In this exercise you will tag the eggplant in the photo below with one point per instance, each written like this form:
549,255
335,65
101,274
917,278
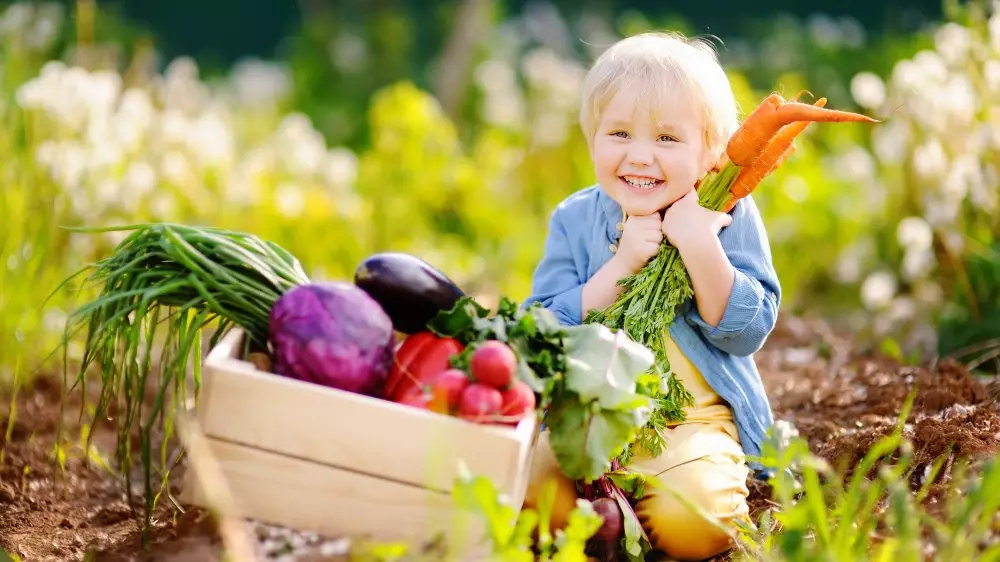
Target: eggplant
410,290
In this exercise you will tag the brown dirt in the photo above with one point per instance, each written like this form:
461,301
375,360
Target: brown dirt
840,399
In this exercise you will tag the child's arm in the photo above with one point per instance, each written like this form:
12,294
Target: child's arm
557,285
640,240
736,287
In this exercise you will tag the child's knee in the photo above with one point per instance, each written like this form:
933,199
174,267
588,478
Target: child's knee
544,469
678,529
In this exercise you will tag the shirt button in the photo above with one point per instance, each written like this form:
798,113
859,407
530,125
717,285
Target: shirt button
613,248
620,226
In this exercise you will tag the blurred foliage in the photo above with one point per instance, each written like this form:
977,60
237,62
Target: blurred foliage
350,145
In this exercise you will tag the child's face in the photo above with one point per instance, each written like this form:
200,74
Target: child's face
647,163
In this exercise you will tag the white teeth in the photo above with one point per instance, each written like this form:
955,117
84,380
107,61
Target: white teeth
642,183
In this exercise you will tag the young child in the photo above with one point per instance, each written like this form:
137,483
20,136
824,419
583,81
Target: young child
657,112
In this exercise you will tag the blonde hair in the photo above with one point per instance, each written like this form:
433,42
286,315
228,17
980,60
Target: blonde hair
658,65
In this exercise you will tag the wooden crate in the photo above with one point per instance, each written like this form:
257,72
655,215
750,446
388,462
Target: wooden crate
338,463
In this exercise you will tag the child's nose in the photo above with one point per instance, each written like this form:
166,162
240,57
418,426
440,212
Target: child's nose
640,154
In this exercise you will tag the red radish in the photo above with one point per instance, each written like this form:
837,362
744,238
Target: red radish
493,363
518,400
447,388
479,402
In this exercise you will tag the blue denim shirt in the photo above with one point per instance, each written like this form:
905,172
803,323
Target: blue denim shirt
582,230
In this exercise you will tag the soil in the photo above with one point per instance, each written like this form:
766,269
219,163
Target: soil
839,398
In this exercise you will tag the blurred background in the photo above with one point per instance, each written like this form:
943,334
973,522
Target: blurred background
447,128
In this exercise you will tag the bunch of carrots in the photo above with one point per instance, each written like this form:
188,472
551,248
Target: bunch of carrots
649,300
767,137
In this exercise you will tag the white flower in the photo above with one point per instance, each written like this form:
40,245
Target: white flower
140,177
175,167
907,77
929,159
211,141
878,289
289,200
540,65
504,111
341,167
917,262
100,91
890,141
493,74
991,74
914,233
868,89
931,65
953,41
260,83
134,117
856,164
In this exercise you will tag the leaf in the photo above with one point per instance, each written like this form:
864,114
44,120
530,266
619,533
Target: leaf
461,322
478,494
572,540
636,541
584,438
603,365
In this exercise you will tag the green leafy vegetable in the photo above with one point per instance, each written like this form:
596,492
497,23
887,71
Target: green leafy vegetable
604,365
594,409
533,333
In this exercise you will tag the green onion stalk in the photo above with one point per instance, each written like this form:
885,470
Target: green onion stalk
645,308
166,283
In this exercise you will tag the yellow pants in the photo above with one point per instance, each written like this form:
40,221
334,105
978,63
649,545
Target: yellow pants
702,461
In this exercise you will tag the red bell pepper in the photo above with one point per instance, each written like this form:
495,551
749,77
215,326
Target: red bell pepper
422,357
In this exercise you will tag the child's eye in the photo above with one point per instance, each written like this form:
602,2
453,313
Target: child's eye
620,134
668,138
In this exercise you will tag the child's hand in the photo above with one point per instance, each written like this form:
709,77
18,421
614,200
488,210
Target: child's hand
686,223
640,241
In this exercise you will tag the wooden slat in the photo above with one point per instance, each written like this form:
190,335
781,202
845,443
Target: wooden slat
306,495
363,434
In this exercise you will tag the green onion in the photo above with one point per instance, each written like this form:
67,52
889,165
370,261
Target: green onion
183,278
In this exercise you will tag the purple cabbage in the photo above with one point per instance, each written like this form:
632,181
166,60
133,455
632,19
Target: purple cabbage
332,334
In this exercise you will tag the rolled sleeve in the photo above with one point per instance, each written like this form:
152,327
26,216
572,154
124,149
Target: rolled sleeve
555,284
752,309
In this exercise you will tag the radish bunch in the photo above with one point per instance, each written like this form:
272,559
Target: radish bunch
494,392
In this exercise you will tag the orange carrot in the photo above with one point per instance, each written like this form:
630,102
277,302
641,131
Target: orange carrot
775,112
778,149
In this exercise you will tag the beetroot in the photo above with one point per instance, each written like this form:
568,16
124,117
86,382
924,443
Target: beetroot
614,524
332,334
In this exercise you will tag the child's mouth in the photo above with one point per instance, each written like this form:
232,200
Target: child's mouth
641,184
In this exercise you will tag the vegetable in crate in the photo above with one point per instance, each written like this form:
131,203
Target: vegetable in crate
420,358
160,288
332,334
409,289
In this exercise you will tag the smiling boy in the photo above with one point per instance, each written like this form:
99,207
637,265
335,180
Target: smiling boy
657,112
